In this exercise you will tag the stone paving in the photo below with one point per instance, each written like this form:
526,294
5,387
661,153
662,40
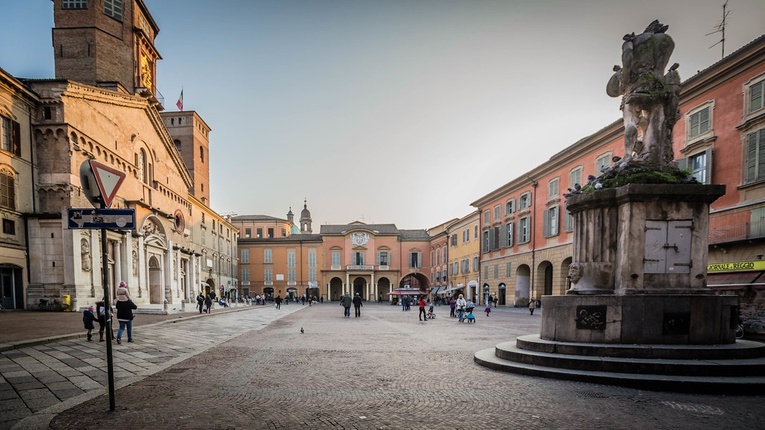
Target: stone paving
41,379
384,370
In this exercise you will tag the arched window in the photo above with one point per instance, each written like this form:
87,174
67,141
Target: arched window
141,162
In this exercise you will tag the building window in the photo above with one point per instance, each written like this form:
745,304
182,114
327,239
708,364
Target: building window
552,188
245,256
260,233
415,259
525,200
496,271
113,8
466,235
382,258
464,265
755,157
358,258
510,207
271,233
74,4
267,256
496,212
575,177
524,230
699,167
602,162
245,276
509,234
568,222
551,222
10,136
508,269
268,276
7,191
475,231
699,122
438,257
486,217
291,275
756,96
202,154
247,232
284,232
9,226
485,244
475,264
454,239
142,167
291,258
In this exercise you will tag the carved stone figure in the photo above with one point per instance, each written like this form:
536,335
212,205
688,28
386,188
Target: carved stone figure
85,254
135,262
649,102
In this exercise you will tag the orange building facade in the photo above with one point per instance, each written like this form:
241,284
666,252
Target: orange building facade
526,243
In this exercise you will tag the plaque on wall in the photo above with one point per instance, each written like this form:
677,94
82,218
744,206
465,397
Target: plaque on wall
676,323
591,317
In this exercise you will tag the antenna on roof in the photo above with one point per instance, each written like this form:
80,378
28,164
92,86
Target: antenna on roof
720,28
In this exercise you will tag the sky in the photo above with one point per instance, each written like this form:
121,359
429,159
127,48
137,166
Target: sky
390,111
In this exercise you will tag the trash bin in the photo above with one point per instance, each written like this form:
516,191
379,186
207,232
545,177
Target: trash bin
67,301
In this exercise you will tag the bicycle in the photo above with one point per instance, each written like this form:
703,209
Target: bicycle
49,305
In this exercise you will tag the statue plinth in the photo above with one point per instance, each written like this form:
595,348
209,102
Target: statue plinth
639,269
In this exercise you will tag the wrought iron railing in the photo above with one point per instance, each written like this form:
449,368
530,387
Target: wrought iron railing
737,232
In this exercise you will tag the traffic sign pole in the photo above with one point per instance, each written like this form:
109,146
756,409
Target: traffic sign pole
109,319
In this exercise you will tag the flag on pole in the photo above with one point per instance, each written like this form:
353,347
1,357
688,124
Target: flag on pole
179,103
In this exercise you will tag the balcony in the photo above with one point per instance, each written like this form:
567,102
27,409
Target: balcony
360,267
737,232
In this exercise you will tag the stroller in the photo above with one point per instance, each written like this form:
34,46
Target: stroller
469,317
431,315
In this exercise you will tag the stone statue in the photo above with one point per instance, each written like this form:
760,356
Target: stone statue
85,254
649,102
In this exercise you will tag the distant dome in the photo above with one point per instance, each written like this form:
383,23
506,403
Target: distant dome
295,229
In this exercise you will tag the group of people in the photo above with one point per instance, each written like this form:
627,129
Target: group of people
100,314
346,303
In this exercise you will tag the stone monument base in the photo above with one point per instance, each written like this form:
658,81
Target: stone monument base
672,319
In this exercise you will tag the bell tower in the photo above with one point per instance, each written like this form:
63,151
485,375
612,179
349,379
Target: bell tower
305,219
106,43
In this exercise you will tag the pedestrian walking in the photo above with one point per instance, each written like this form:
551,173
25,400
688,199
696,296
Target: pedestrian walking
532,306
200,302
488,309
87,320
125,308
461,305
357,304
278,302
346,302
101,318
452,307
208,303
421,304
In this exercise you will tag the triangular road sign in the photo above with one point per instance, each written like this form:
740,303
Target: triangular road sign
108,180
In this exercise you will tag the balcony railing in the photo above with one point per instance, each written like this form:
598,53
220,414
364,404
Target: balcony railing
737,232
360,267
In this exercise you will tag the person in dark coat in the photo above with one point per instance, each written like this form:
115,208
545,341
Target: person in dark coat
200,302
87,319
101,318
346,302
357,304
125,308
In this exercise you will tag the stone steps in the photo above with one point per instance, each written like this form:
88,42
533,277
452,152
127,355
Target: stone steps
531,356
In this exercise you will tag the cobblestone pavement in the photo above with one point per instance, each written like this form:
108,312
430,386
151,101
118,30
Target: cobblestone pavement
385,370
44,378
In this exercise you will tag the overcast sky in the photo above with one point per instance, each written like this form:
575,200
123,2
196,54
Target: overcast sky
390,111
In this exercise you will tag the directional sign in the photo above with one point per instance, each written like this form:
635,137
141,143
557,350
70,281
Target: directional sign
118,219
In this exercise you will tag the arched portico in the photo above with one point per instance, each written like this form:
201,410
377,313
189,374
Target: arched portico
335,289
522,285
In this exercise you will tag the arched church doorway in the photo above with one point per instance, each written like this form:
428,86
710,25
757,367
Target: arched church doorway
335,289
156,292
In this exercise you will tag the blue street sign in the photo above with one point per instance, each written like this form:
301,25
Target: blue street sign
118,219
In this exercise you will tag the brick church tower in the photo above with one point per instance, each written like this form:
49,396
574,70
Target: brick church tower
106,43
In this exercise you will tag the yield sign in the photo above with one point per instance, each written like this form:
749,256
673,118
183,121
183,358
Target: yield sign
108,180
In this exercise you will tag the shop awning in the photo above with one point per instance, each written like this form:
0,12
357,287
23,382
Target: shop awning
458,287
405,292
436,290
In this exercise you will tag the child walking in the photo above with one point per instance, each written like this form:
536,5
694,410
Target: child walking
87,319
